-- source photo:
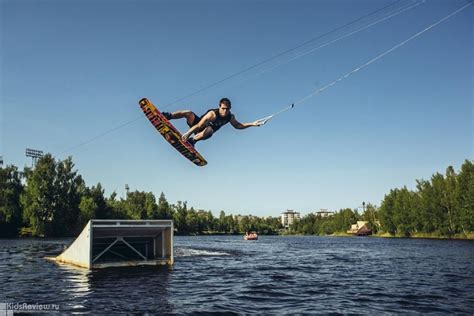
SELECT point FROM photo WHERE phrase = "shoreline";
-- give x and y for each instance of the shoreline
(469, 236)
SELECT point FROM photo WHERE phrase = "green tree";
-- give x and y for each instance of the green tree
(141, 205)
(11, 189)
(231, 224)
(465, 197)
(164, 209)
(222, 222)
(93, 205)
(117, 209)
(403, 211)
(439, 210)
(449, 202)
(443, 205)
(344, 219)
(326, 227)
(88, 208)
(179, 217)
(211, 222)
(244, 224)
(370, 215)
(426, 194)
(192, 221)
(386, 212)
(51, 198)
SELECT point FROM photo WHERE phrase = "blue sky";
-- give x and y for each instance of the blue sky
(73, 70)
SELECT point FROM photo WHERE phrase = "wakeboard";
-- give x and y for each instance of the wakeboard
(170, 133)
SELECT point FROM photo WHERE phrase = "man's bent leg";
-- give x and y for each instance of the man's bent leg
(204, 134)
(189, 115)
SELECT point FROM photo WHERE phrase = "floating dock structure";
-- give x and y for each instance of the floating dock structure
(121, 243)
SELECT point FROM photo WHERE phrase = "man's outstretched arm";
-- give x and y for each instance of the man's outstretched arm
(236, 124)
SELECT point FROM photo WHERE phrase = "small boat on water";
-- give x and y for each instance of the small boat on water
(250, 236)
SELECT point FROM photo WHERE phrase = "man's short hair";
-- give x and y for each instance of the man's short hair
(225, 101)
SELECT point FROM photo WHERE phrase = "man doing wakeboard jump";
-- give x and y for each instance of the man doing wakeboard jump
(204, 127)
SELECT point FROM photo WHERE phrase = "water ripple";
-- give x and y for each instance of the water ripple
(225, 275)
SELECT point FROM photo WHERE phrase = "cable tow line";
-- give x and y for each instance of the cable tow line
(316, 92)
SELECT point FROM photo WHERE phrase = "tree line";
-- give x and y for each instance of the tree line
(442, 206)
(51, 199)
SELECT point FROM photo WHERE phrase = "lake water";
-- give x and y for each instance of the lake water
(274, 275)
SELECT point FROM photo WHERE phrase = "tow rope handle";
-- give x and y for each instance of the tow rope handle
(264, 120)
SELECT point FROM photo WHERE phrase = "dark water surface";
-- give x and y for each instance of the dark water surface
(274, 275)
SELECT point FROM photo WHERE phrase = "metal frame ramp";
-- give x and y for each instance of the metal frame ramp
(121, 243)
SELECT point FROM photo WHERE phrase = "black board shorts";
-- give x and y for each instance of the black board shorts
(196, 120)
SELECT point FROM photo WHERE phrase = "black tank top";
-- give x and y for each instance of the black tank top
(220, 121)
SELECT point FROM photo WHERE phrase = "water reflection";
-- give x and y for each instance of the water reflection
(134, 288)
(115, 289)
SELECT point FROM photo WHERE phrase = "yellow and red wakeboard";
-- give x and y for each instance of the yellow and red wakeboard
(170, 133)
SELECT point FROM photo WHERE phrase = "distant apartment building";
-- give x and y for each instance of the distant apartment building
(324, 213)
(289, 217)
